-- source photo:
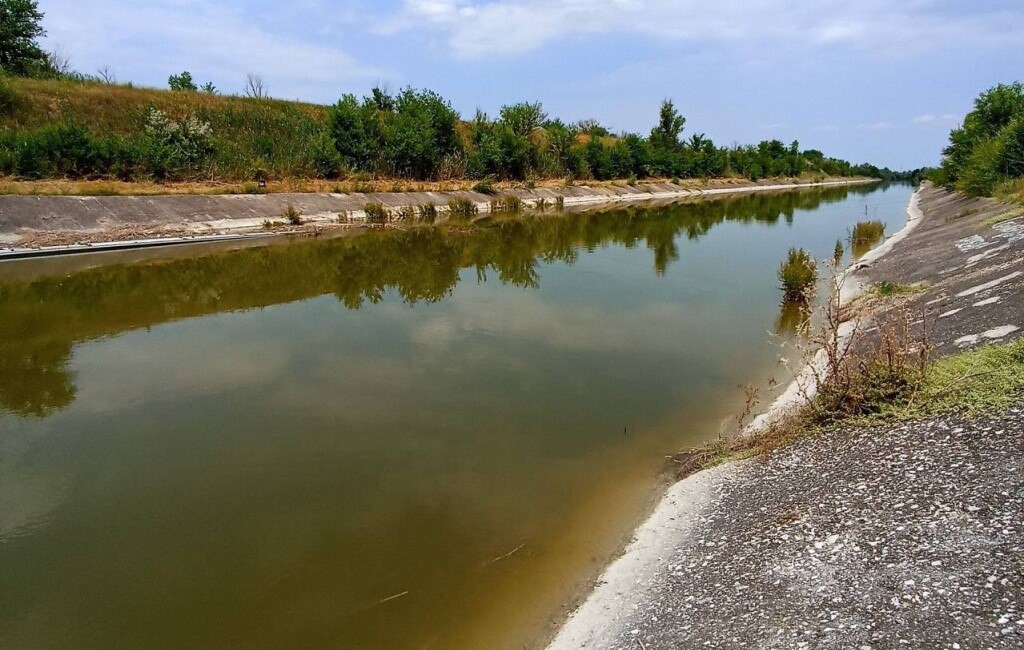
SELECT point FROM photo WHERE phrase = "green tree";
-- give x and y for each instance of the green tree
(347, 128)
(182, 81)
(670, 124)
(19, 29)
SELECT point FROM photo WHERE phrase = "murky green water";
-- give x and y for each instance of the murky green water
(396, 440)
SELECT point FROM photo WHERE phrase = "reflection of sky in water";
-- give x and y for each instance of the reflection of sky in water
(308, 456)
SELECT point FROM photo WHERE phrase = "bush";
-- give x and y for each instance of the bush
(375, 213)
(867, 232)
(462, 208)
(182, 81)
(507, 203)
(325, 158)
(292, 215)
(799, 275)
(980, 174)
(486, 186)
(427, 212)
(176, 149)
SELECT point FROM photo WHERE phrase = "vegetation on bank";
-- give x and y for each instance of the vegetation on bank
(57, 123)
(882, 381)
(61, 128)
(985, 156)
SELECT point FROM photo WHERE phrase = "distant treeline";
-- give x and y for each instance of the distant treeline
(985, 155)
(85, 129)
(59, 123)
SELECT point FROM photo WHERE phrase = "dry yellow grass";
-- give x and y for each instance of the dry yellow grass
(118, 109)
(64, 187)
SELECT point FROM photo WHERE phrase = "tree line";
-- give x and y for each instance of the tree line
(986, 153)
(411, 134)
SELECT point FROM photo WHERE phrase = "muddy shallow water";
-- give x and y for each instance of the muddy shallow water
(415, 439)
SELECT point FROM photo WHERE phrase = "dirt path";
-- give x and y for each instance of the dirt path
(901, 536)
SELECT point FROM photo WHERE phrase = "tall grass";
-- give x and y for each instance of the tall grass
(462, 208)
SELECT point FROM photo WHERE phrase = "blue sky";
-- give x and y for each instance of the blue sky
(879, 81)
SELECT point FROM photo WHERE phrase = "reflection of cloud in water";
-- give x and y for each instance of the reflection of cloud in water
(178, 365)
(657, 327)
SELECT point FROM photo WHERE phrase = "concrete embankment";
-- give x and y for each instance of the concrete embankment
(43, 221)
(906, 535)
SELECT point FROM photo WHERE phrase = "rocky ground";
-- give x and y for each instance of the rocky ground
(907, 536)
(902, 536)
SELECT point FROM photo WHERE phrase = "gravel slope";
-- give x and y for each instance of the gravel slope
(901, 536)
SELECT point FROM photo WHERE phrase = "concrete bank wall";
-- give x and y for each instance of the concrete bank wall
(21, 216)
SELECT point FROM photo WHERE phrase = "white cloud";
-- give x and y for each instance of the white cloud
(215, 41)
(944, 120)
(477, 29)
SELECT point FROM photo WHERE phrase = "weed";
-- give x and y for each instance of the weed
(837, 254)
(376, 213)
(559, 203)
(798, 274)
(406, 213)
(507, 203)
(541, 204)
(253, 188)
(1005, 216)
(292, 215)
(462, 208)
(485, 186)
(867, 232)
(427, 212)
(632, 181)
(889, 289)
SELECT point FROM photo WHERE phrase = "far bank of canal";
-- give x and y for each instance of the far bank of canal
(397, 440)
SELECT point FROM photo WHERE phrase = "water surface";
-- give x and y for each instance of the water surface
(410, 439)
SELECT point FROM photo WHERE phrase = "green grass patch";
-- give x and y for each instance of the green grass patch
(888, 289)
(1005, 216)
(984, 381)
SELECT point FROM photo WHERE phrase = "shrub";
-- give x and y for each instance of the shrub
(462, 208)
(182, 81)
(292, 215)
(799, 275)
(486, 186)
(980, 174)
(867, 232)
(507, 203)
(175, 149)
(376, 213)
(427, 212)
(325, 158)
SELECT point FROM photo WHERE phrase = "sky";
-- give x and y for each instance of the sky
(879, 81)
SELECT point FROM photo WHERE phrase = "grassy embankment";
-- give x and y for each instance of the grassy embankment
(60, 136)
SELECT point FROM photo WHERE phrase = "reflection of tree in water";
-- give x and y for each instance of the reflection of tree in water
(41, 320)
(34, 381)
(794, 318)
